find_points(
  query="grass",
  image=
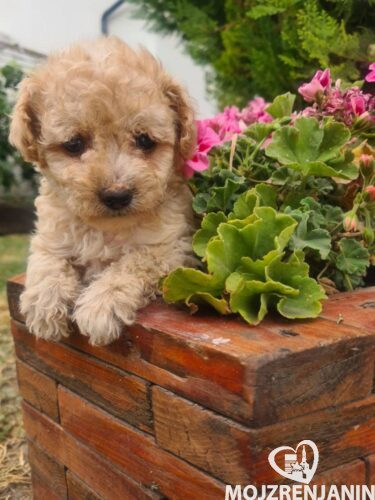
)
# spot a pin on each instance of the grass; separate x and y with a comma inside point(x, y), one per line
point(14, 469)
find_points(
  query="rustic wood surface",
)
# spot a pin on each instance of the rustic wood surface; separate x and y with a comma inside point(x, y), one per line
point(134, 452)
point(48, 476)
point(126, 395)
point(38, 390)
point(351, 473)
point(97, 472)
point(246, 373)
point(370, 464)
point(240, 455)
point(179, 406)
point(77, 489)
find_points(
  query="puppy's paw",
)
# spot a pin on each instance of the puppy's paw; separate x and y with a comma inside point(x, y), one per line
point(100, 317)
point(45, 319)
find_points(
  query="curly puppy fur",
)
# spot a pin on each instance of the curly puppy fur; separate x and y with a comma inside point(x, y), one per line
point(103, 263)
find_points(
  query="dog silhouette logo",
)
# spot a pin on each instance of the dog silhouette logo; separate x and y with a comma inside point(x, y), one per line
point(298, 464)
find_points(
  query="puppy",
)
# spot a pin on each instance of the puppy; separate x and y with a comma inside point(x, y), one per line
point(109, 131)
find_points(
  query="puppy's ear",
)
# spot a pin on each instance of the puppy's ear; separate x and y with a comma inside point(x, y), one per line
point(25, 128)
point(186, 130)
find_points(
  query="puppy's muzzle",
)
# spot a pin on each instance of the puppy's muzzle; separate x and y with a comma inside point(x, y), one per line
point(115, 200)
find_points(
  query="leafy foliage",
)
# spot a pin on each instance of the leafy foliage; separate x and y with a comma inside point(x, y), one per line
point(267, 46)
point(10, 76)
point(247, 268)
point(288, 210)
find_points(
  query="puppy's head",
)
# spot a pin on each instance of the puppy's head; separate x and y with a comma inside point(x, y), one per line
point(107, 127)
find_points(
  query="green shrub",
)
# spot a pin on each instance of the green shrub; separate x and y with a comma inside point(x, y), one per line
point(12, 168)
point(266, 47)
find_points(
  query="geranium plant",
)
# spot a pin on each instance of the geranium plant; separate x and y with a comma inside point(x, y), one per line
point(287, 203)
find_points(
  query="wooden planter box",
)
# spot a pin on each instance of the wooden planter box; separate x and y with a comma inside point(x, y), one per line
point(181, 405)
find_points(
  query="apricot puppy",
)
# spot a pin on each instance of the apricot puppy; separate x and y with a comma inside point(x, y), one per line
point(108, 130)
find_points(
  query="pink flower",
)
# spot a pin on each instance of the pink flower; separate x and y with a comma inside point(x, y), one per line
point(255, 112)
point(227, 123)
point(358, 104)
point(350, 222)
point(324, 78)
point(370, 77)
point(367, 163)
point(207, 138)
point(310, 91)
point(320, 82)
point(371, 192)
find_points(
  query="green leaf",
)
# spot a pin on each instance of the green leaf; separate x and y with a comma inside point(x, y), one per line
point(336, 135)
point(353, 258)
point(208, 230)
point(294, 273)
point(250, 298)
point(220, 305)
point(282, 105)
point(267, 195)
point(224, 254)
point(255, 269)
point(307, 304)
point(259, 131)
point(308, 147)
point(184, 282)
point(316, 239)
point(271, 231)
point(261, 195)
point(244, 205)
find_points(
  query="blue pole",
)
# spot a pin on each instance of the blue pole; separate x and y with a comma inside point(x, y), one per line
point(107, 13)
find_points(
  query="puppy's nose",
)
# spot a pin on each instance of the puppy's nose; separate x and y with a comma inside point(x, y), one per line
point(116, 199)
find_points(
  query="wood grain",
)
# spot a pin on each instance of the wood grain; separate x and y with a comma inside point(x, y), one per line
point(125, 395)
point(346, 474)
point(341, 434)
point(136, 454)
point(78, 490)
point(213, 443)
point(38, 389)
point(48, 476)
point(15, 287)
point(370, 469)
point(97, 472)
point(240, 456)
point(249, 373)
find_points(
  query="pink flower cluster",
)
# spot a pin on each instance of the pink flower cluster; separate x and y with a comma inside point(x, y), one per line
point(370, 77)
point(221, 128)
point(327, 99)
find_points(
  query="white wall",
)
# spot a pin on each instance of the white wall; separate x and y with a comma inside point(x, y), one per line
point(47, 25)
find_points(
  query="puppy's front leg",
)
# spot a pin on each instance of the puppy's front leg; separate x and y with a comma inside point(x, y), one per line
point(113, 299)
point(50, 290)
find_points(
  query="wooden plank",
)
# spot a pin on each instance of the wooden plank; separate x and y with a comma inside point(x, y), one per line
point(341, 434)
point(135, 453)
point(125, 355)
point(211, 442)
point(344, 475)
point(370, 469)
point(246, 373)
point(38, 389)
point(78, 490)
point(96, 471)
point(48, 476)
point(318, 378)
point(15, 287)
point(124, 395)
point(354, 308)
point(240, 456)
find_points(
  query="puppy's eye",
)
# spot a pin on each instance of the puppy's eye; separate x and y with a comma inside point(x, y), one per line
point(75, 146)
point(144, 142)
